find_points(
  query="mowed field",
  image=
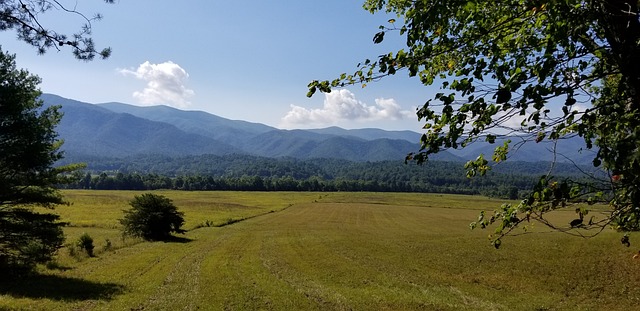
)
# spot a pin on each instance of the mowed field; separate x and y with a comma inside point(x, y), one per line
point(326, 251)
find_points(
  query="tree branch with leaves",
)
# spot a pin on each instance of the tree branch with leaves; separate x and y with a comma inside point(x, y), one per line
point(561, 68)
point(24, 17)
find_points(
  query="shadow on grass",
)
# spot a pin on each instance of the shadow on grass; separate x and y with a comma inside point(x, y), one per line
point(58, 288)
point(177, 239)
point(52, 265)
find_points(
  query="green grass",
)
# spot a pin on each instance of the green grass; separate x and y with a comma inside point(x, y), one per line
point(335, 251)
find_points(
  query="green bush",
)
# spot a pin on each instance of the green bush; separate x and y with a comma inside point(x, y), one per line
point(85, 242)
point(72, 250)
point(152, 217)
point(107, 245)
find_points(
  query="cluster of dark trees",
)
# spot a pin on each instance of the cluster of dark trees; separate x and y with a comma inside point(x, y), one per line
point(135, 181)
point(250, 173)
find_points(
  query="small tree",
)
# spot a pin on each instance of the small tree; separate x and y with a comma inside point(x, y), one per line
point(85, 242)
point(152, 217)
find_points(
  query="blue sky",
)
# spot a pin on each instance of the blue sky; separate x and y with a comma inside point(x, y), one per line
point(244, 60)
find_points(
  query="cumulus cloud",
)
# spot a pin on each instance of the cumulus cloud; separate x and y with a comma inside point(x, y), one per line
point(342, 105)
point(165, 84)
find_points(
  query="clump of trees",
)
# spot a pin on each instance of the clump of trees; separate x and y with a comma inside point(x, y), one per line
point(152, 217)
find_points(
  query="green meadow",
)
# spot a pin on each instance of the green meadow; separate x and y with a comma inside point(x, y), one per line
point(325, 251)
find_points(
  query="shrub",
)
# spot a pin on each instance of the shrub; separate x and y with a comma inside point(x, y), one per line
point(85, 242)
point(72, 250)
point(152, 217)
point(107, 245)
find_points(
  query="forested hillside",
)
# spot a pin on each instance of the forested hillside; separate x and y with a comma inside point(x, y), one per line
point(119, 130)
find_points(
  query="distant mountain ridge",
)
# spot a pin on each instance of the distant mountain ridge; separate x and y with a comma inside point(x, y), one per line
point(122, 130)
point(369, 133)
point(95, 131)
point(193, 121)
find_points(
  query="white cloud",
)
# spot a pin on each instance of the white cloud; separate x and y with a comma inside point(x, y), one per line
point(342, 105)
point(579, 108)
point(165, 84)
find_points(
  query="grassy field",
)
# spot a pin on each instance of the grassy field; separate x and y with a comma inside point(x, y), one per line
point(326, 251)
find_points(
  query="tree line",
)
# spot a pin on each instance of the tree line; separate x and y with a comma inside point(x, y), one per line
point(324, 175)
point(136, 181)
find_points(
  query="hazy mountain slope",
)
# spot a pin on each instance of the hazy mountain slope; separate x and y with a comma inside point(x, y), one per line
point(281, 143)
point(307, 145)
point(233, 132)
point(369, 133)
point(95, 130)
point(115, 129)
point(566, 150)
point(91, 130)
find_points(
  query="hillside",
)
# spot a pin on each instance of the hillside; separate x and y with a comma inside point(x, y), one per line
point(90, 130)
point(193, 121)
point(118, 130)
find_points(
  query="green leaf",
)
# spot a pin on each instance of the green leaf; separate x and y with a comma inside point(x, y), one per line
point(378, 37)
point(503, 95)
point(497, 243)
point(491, 139)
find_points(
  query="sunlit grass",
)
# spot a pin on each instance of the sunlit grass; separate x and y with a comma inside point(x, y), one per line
point(330, 251)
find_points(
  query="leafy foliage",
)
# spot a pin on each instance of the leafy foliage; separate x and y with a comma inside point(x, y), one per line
point(24, 17)
point(558, 68)
point(152, 217)
point(85, 242)
point(28, 140)
point(28, 150)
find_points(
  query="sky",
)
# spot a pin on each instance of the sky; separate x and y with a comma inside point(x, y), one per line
point(242, 60)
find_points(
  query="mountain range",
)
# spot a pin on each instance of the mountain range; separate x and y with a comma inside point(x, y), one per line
point(118, 130)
